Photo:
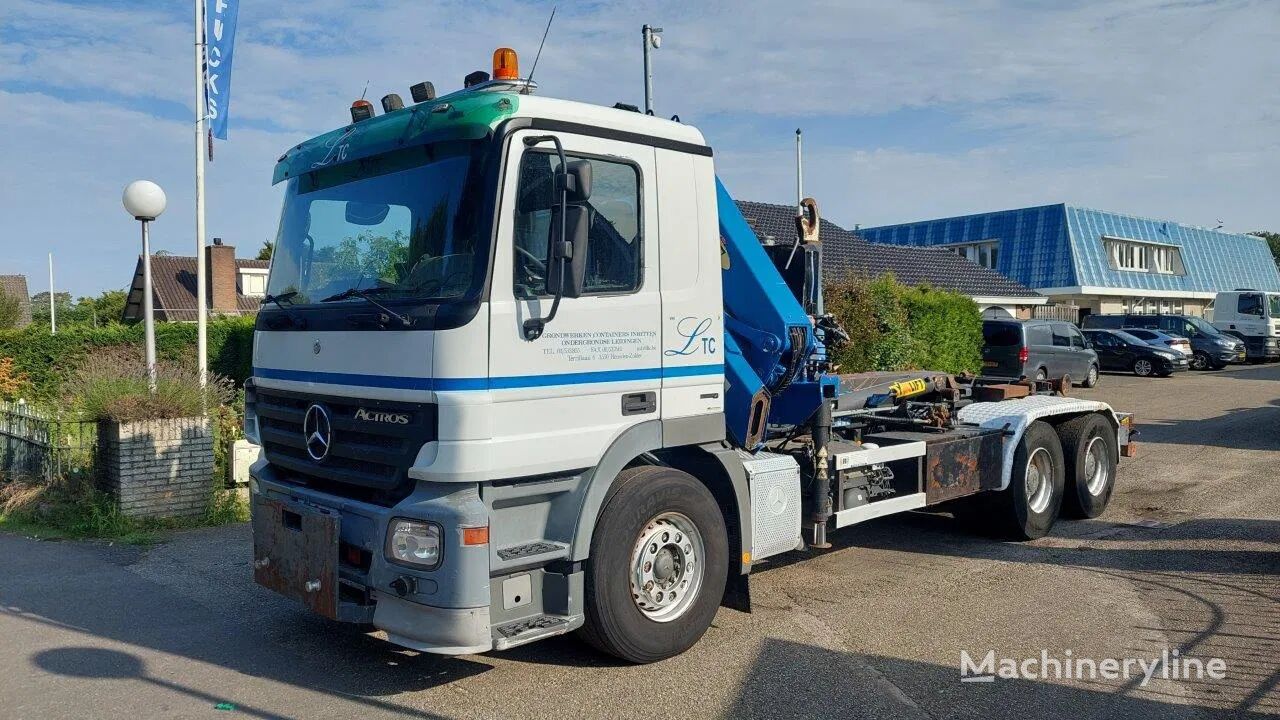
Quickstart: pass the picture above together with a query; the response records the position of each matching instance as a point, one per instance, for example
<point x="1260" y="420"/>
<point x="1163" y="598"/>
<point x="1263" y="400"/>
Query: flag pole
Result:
<point x="202" y="294"/>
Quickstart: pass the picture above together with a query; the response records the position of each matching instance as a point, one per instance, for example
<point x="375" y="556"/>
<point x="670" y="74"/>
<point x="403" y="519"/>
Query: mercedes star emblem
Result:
<point x="316" y="348"/>
<point x="317" y="432"/>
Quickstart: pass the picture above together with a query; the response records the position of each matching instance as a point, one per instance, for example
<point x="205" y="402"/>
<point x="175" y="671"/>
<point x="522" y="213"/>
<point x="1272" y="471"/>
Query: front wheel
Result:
<point x="1143" y="368"/>
<point x="1201" y="361"/>
<point x="658" y="566"/>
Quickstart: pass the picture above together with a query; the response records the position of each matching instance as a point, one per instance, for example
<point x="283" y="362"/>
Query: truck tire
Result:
<point x="1027" y="508"/>
<point x="658" y="566"/>
<point x="1090" y="450"/>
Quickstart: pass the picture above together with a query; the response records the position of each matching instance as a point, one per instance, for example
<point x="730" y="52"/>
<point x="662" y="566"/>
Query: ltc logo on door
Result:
<point x="695" y="341"/>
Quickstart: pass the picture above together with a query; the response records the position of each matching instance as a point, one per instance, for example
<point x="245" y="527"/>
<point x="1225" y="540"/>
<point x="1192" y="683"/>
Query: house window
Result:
<point x="986" y="253"/>
<point x="1135" y="256"/>
<point x="253" y="284"/>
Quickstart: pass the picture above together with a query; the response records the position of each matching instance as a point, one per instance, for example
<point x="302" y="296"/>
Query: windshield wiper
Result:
<point x="367" y="295"/>
<point x="280" y="300"/>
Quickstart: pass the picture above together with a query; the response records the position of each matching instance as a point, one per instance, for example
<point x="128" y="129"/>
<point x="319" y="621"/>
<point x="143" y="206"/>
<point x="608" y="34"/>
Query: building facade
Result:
<point x="1100" y="262"/>
<point x="15" y="286"/>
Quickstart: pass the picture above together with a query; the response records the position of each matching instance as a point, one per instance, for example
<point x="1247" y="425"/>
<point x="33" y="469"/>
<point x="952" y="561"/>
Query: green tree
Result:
<point x="40" y="307"/>
<point x="1273" y="242"/>
<point x="264" y="252"/>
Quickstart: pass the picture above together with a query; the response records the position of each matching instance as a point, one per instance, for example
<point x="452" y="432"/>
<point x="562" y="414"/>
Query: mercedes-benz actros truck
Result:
<point x="524" y="369"/>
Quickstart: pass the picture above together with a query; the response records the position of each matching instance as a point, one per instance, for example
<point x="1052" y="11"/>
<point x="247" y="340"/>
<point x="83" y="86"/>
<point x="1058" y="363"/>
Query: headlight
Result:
<point x="413" y="542"/>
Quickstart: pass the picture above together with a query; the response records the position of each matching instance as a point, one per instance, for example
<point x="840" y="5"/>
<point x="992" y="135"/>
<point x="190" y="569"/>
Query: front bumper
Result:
<point x="305" y="542"/>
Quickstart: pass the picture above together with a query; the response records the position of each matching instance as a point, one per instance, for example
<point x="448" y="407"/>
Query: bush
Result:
<point x="895" y="327"/>
<point x="48" y="361"/>
<point x="114" y="385"/>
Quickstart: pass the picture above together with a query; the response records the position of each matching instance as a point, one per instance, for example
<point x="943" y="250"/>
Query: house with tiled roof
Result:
<point x="15" y="286"/>
<point x="1100" y="262"/>
<point x="235" y="286"/>
<point x="845" y="253"/>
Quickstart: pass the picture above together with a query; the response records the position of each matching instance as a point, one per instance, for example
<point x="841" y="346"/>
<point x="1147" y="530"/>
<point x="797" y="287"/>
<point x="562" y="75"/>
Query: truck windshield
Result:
<point x="401" y="225"/>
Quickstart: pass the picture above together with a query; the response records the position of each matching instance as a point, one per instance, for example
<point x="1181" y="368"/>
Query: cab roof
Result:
<point x="466" y="115"/>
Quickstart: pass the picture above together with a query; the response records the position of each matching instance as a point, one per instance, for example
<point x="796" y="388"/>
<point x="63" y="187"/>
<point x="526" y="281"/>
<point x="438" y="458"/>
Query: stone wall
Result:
<point x="158" y="468"/>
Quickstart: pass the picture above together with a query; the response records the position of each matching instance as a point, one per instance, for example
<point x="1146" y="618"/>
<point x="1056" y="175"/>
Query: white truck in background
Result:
<point x="1251" y="315"/>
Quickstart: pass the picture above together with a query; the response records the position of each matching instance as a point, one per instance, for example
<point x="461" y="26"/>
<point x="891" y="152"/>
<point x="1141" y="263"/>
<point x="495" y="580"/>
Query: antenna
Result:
<point x="528" y="87"/>
<point x="365" y="91"/>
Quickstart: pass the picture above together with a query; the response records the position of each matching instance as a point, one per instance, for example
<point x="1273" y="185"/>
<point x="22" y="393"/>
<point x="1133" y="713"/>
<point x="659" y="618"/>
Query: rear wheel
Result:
<point x="1091" y="377"/>
<point x="659" y="561"/>
<point x="1143" y="367"/>
<point x="1041" y="375"/>
<point x="1027" y="508"/>
<point x="1089" y="449"/>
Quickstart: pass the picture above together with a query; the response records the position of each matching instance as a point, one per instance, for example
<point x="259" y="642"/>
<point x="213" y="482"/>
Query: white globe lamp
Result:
<point x="145" y="201"/>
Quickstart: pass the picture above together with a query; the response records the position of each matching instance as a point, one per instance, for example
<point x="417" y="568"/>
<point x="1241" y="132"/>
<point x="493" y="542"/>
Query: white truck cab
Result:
<point x="1251" y="315"/>
<point x="523" y="368"/>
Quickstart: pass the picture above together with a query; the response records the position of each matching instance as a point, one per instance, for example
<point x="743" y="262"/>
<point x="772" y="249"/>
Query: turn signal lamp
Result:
<point x="505" y="64"/>
<point x="361" y="110"/>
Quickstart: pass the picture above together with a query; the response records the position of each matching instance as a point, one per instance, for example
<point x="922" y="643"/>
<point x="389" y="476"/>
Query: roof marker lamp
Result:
<point x="361" y="110"/>
<point x="506" y="66"/>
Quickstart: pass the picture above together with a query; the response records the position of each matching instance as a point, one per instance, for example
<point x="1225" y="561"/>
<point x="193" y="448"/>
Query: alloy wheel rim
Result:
<point x="1039" y="480"/>
<point x="1142" y="367"/>
<point x="1093" y="375"/>
<point x="667" y="567"/>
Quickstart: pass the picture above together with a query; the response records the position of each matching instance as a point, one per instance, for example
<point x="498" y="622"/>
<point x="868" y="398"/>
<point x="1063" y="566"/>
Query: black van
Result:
<point x="1039" y="349"/>
<point x="1211" y="347"/>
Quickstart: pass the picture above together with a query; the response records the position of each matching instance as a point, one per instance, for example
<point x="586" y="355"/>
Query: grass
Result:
<point x="70" y="510"/>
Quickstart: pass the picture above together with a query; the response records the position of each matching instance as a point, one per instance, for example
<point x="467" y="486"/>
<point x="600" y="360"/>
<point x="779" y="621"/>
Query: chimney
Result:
<point x="220" y="263"/>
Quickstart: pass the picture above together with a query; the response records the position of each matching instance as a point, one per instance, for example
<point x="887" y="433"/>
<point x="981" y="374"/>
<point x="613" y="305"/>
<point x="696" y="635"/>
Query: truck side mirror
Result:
<point x="577" y="181"/>
<point x="567" y="271"/>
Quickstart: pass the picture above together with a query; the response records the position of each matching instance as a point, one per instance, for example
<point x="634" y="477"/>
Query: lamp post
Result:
<point x="144" y="200"/>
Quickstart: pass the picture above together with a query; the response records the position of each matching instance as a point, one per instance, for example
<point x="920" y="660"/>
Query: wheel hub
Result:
<point x="1096" y="469"/>
<point x="666" y="567"/>
<point x="1039" y="480"/>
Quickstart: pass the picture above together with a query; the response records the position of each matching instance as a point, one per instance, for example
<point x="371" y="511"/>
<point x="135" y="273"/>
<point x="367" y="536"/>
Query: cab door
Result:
<point x="561" y="399"/>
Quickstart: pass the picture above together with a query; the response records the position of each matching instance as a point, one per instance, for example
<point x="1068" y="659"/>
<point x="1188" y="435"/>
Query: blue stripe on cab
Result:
<point x="482" y="383"/>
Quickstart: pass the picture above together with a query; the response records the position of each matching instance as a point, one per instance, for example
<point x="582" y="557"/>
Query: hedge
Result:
<point x="47" y="360"/>
<point x="895" y="327"/>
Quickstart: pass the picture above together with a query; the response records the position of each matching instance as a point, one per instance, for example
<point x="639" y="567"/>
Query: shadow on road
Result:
<point x="1211" y="602"/>
<point x="1252" y="428"/>
<point x="805" y="681"/>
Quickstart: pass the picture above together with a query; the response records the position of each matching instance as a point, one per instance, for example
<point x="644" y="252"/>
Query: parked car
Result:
<point x="1210" y="347"/>
<point x="1038" y="349"/>
<point x="1162" y="339"/>
<point x="1118" y="350"/>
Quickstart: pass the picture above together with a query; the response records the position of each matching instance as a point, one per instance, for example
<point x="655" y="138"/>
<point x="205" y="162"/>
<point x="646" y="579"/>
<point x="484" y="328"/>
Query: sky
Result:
<point x="911" y="109"/>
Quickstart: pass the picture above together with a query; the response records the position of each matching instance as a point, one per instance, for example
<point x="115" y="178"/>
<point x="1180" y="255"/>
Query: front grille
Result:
<point x="367" y="459"/>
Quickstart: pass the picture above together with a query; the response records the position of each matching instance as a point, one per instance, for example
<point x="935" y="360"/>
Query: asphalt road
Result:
<point x="1187" y="558"/>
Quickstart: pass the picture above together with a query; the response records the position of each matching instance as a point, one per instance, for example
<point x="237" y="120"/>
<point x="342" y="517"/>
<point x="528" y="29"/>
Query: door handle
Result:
<point x="640" y="403"/>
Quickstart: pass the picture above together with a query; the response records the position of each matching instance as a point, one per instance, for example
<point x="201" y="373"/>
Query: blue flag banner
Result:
<point x="220" y="35"/>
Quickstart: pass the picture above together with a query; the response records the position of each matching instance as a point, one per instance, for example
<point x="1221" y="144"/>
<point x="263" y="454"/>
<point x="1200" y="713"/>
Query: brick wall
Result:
<point x="158" y="468"/>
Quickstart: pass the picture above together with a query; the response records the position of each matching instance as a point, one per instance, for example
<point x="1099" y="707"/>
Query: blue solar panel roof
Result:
<point x="1062" y="246"/>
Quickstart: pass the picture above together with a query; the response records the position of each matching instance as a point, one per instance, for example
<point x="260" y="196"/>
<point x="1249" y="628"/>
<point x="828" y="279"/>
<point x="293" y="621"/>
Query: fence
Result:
<point x="36" y="445"/>
<point x="1067" y="313"/>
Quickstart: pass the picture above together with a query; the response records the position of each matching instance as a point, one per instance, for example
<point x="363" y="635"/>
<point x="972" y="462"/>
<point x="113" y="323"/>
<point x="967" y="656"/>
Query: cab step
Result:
<point x="514" y="634"/>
